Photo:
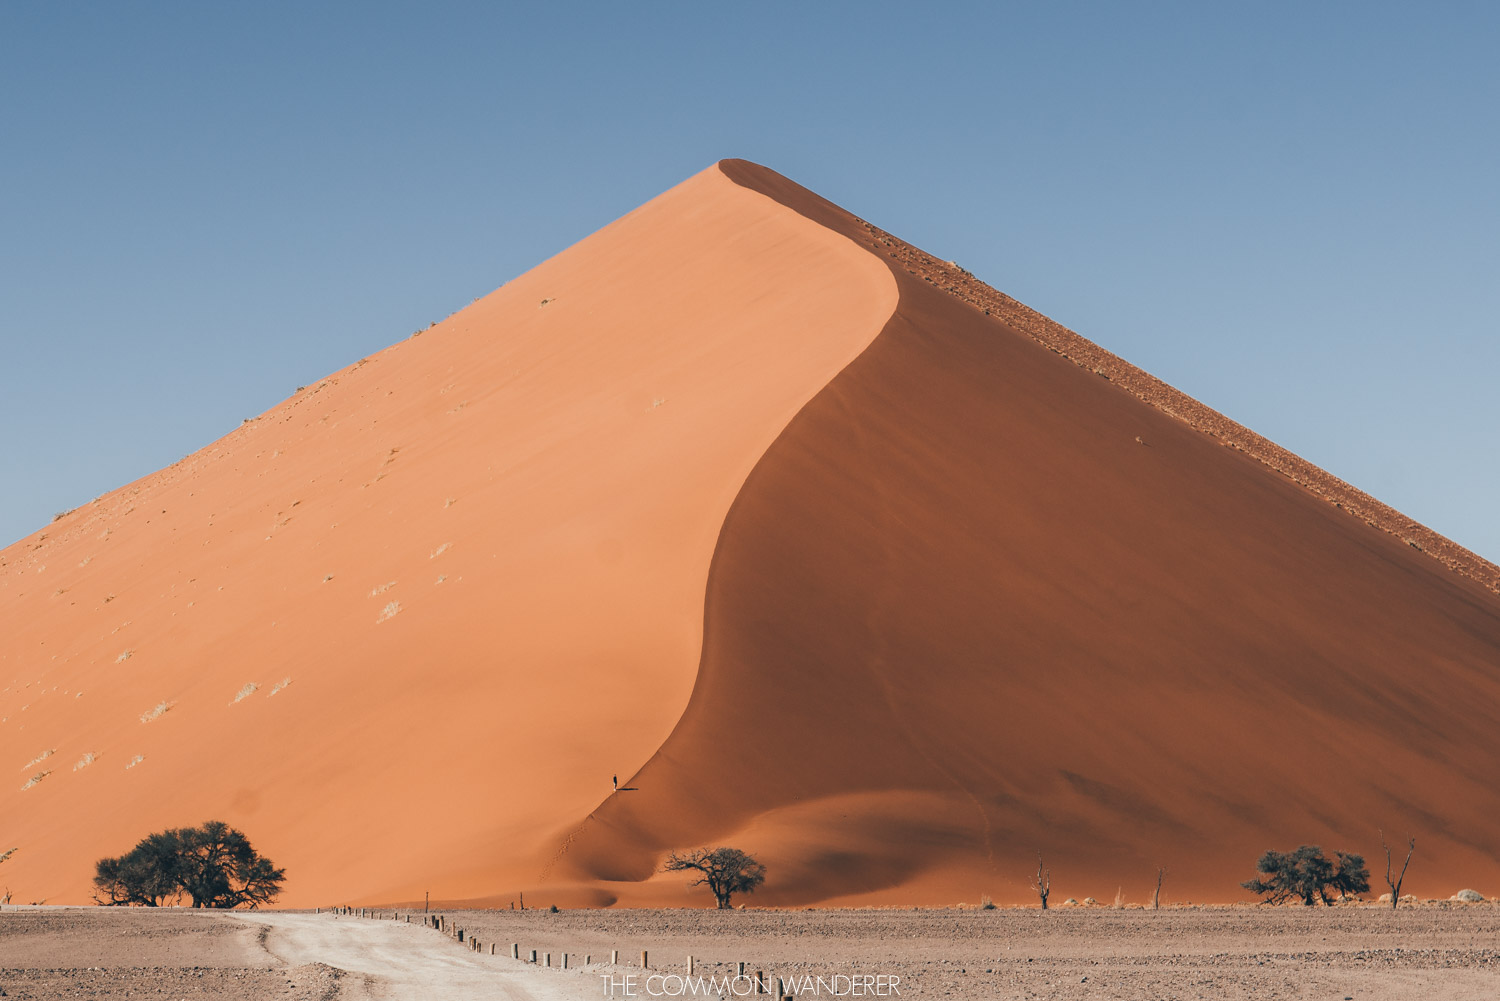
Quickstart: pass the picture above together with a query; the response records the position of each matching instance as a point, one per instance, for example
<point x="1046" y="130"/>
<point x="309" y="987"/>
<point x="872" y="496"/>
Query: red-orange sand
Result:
<point x="826" y="550"/>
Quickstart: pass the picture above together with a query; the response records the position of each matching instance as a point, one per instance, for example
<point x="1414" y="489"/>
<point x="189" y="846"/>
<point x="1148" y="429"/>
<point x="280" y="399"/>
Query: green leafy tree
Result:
<point x="1308" y="875"/>
<point x="725" y="871"/>
<point x="147" y="875"/>
<point x="1351" y="876"/>
<point x="213" y="865"/>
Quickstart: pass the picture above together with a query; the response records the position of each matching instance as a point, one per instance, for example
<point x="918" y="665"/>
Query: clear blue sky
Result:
<point x="1291" y="212"/>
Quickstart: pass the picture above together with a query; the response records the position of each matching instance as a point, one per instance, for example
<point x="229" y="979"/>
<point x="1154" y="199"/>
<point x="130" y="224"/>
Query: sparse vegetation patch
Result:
<point x="39" y="758"/>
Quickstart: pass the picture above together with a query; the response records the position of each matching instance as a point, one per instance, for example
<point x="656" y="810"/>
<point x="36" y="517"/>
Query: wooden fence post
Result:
<point x="690" y="966"/>
<point x="644" y="964"/>
<point x="614" y="957"/>
<point x="515" y="950"/>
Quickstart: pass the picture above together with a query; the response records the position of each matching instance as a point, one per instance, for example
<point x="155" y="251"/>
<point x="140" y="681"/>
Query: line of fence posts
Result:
<point x="440" y="922"/>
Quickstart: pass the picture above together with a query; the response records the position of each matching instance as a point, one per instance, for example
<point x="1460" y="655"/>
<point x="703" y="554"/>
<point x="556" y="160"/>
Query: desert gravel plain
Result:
<point x="1362" y="952"/>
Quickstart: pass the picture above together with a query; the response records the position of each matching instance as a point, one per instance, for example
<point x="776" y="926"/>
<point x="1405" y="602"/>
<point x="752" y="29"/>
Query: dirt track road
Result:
<point x="393" y="961"/>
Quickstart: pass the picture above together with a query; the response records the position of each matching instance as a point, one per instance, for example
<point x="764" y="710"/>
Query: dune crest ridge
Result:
<point x="1006" y="605"/>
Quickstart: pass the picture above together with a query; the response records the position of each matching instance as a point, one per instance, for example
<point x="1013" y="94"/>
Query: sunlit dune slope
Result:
<point x="978" y="601"/>
<point x="406" y="624"/>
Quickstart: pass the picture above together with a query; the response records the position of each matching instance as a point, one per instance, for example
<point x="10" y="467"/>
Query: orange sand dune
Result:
<point x="828" y="550"/>
<point x="479" y="556"/>
<point x="978" y="601"/>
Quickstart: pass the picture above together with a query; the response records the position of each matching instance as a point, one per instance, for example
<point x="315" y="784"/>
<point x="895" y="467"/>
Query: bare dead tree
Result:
<point x="1395" y="885"/>
<point x="1043" y="884"/>
<point x="1161" y="873"/>
<point x="5" y="897"/>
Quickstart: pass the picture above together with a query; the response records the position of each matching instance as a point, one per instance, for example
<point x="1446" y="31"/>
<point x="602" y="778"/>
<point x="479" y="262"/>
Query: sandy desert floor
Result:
<point x="101" y="953"/>
<point x="1360" y="953"/>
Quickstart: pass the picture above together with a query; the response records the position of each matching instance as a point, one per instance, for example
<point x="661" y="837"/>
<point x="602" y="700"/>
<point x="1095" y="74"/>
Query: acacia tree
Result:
<point x="1307" y="874"/>
<point x="1395" y="884"/>
<point x="220" y="868"/>
<point x="725" y="871"/>
<point x="147" y="875"/>
<point x="1350" y="875"/>
<point x="214" y="865"/>
<point x="1043" y="883"/>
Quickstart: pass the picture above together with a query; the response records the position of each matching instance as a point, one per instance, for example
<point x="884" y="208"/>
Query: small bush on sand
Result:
<point x="39" y="758"/>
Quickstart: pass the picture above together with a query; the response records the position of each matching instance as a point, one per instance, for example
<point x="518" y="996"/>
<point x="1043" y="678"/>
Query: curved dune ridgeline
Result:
<point x="978" y="601"/>
<point x="407" y="623"/>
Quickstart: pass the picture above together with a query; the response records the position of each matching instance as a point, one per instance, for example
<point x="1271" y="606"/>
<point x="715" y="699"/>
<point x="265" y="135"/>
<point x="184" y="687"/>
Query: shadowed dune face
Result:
<point x="478" y="557"/>
<point x="976" y="601"/>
